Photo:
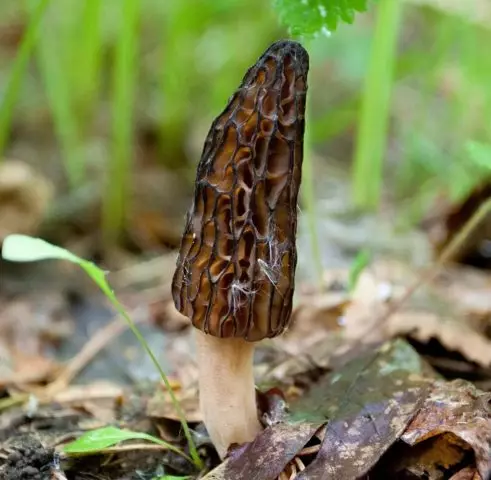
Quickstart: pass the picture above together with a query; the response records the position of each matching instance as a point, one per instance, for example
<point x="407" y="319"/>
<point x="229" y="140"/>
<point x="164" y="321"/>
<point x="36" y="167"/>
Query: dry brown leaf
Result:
<point x="24" y="198"/>
<point x="467" y="473"/>
<point x="22" y="368"/>
<point x="369" y="403"/>
<point x="452" y="333"/>
<point x="469" y="286"/>
<point x="100" y="390"/>
<point x="27" y="322"/>
<point x="456" y="410"/>
<point x="160" y="406"/>
<point x="26" y="325"/>
<point x="265" y="457"/>
<point x="433" y="459"/>
<point x="315" y="333"/>
<point x="366" y="405"/>
<point x="314" y="316"/>
<point x="159" y="203"/>
<point x="166" y="316"/>
<point x="428" y="314"/>
<point x="99" y="399"/>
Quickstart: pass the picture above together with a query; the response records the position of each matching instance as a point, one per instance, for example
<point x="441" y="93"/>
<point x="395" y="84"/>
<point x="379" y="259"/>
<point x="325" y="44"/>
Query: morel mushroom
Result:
<point x="236" y="265"/>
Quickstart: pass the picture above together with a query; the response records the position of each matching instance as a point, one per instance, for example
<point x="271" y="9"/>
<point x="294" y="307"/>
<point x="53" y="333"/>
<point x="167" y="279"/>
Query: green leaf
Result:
<point x="480" y="154"/>
<point x="171" y="477"/>
<point x="106" y="437"/>
<point x="22" y="248"/>
<point x="309" y="17"/>
<point x="359" y="264"/>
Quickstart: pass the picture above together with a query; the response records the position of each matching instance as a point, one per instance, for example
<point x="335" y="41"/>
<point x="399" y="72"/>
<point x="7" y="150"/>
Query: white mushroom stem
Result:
<point x="227" y="390"/>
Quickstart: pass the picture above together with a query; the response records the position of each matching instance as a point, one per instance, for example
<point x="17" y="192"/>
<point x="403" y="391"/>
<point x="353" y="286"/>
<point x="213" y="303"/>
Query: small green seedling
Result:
<point x="97" y="440"/>
<point x="171" y="477"/>
<point x="22" y="248"/>
<point x="359" y="264"/>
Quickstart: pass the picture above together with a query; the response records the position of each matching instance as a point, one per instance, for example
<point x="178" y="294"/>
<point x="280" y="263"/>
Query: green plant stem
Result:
<point x="447" y="254"/>
<point x="374" y="114"/>
<point x="182" y="417"/>
<point x="22" y="248"/>
<point x="124" y="81"/>
<point x="18" y="70"/>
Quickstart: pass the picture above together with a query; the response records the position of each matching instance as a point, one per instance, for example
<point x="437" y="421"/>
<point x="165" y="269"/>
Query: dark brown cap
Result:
<point x="236" y="265"/>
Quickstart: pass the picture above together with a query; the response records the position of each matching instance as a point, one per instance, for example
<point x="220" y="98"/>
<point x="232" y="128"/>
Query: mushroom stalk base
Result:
<point x="227" y="390"/>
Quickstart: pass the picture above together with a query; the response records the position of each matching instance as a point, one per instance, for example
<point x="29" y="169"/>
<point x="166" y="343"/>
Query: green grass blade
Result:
<point x="22" y="248"/>
<point x="375" y="108"/>
<point x="123" y="84"/>
<point x="89" y="54"/>
<point x="53" y="72"/>
<point x="360" y="262"/>
<point x="178" y="45"/>
<point x="18" y="69"/>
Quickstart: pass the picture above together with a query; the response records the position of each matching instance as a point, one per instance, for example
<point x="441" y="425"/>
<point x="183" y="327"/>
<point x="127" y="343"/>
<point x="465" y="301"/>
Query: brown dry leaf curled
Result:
<point x="456" y="410"/>
<point x="427" y="314"/>
<point x="266" y="457"/>
<point x="466" y="473"/>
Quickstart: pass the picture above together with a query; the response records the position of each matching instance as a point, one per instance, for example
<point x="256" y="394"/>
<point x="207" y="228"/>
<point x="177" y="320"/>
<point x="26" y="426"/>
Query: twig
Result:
<point x="95" y="345"/>
<point x="448" y="252"/>
<point x="12" y="401"/>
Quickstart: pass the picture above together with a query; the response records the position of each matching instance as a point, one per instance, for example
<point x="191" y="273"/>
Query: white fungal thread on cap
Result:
<point x="272" y="267"/>
<point x="186" y="277"/>
<point x="239" y="294"/>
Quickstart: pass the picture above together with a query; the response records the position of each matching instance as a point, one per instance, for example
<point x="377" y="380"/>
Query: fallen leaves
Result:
<point x="430" y="313"/>
<point x="368" y="403"/>
<point x="159" y="406"/>
<point x="456" y="410"/>
<point x="268" y="455"/>
<point x="27" y="327"/>
<point x="378" y="413"/>
<point x="365" y="406"/>
<point x="380" y="416"/>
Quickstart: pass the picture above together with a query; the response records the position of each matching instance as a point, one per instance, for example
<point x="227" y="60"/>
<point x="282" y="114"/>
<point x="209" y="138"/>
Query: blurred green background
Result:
<point x="110" y="101"/>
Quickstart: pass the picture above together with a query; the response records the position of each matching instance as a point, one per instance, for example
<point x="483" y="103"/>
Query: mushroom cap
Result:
<point x="236" y="265"/>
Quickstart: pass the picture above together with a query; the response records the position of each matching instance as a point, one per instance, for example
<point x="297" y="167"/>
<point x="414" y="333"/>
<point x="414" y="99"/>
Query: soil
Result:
<point x="31" y="449"/>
